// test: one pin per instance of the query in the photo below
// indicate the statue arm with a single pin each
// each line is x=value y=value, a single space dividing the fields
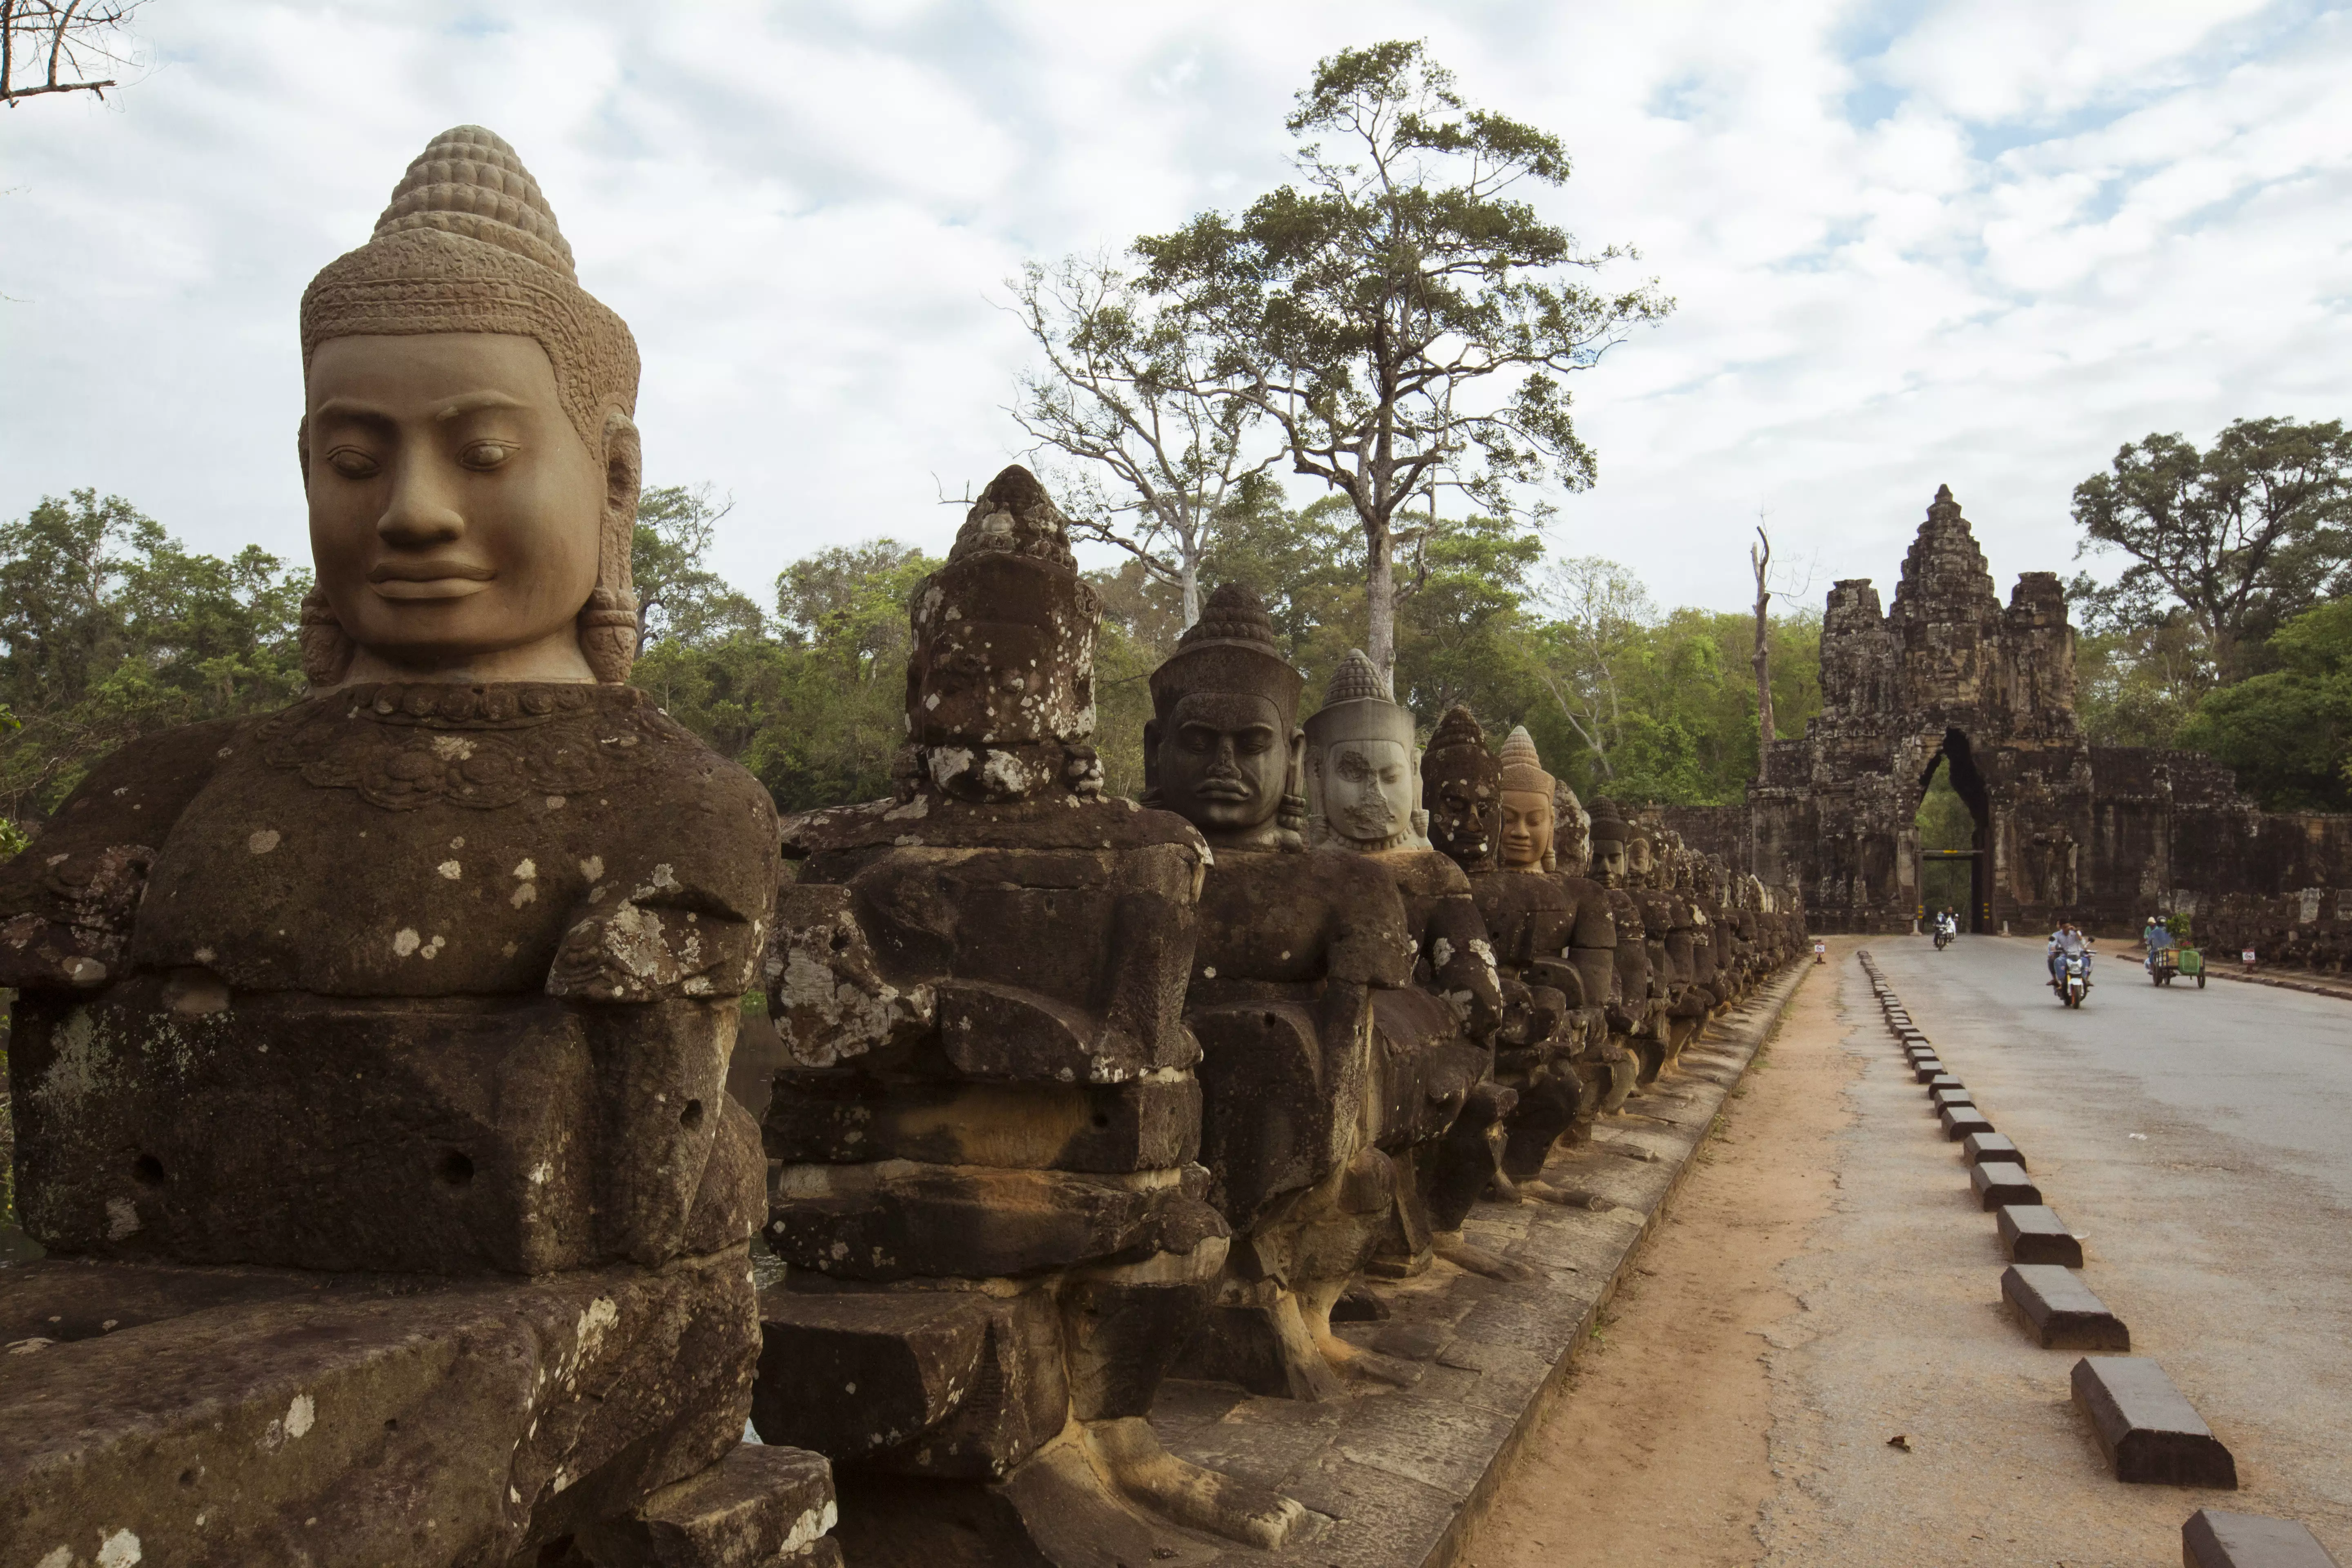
x=1462 y=961
x=68 y=904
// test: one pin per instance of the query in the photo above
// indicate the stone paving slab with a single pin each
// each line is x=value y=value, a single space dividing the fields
x=1404 y=1472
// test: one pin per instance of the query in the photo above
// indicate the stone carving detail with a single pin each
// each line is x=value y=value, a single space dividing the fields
x=1949 y=677
x=988 y=1195
x=410 y=1006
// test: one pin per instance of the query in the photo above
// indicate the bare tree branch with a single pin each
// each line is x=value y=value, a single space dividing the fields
x=62 y=45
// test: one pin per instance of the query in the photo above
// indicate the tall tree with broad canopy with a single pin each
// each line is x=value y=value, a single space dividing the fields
x=1127 y=391
x=1401 y=317
x=2242 y=536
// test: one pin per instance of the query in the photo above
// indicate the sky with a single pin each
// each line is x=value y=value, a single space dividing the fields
x=1978 y=244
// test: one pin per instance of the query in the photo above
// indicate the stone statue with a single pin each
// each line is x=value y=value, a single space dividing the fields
x=1633 y=1013
x=412 y=1001
x=1438 y=1097
x=1480 y=812
x=997 y=1229
x=1297 y=949
x=1606 y=1068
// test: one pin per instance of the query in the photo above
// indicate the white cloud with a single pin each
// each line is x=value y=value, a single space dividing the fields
x=1968 y=243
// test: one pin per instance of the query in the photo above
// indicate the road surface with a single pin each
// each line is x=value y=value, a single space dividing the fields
x=1827 y=1283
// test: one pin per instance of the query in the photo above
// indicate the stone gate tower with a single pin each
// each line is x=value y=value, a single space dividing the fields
x=1950 y=677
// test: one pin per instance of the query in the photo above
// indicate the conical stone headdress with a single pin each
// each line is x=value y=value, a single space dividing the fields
x=1609 y=825
x=469 y=244
x=1356 y=704
x=1522 y=768
x=1231 y=647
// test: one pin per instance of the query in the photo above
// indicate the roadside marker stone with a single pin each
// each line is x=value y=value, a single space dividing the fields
x=1999 y=1185
x=2213 y=1539
x=1979 y=1147
x=1926 y=1069
x=2030 y=1232
x=1940 y=1097
x=1944 y=1080
x=1962 y=1123
x=2060 y=1310
x=2148 y=1430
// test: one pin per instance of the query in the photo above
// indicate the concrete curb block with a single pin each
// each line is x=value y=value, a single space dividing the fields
x=2030 y=1232
x=2059 y=1309
x=1409 y=1472
x=2147 y=1429
x=2213 y=1539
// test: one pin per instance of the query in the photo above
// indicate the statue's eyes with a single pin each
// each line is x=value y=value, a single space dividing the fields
x=483 y=456
x=353 y=463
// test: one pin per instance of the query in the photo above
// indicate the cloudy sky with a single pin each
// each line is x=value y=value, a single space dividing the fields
x=1979 y=244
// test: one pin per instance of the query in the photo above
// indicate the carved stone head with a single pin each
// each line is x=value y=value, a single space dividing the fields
x=1463 y=783
x=1223 y=748
x=1361 y=768
x=1612 y=858
x=1000 y=686
x=1572 y=833
x=466 y=443
x=1527 y=805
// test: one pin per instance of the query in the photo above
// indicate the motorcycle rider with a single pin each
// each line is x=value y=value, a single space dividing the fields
x=2066 y=942
x=1948 y=924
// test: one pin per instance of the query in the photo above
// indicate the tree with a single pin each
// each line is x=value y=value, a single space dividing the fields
x=2241 y=536
x=677 y=596
x=1129 y=391
x=1400 y=320
x=109 y=629
x=1759 y=560
x=2287 y=732
x=47 y=47
x=1583 y=656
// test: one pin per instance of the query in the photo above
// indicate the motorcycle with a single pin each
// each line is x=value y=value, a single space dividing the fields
x=1943 y=939
x=2073 y=979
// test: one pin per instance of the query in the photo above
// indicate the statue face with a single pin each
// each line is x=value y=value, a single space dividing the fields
x=1367 y=789
x=1464 y=817
x=1609 y=862
x=993 y=682
x=1526 y=829
x=1640 y=861
x=454 y=513
x=1220 y=761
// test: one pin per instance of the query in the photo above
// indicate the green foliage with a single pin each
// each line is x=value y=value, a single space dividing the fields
x=111 y=629
x=814 y=705
x=1945 y=822
x=2237 y=538
x=677 y=596
x=2287 y=734
x=1400 y=317
x=2137 y=684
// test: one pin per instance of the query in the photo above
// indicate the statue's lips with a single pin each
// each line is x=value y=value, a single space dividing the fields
x=413 y=579
x=1220 y=789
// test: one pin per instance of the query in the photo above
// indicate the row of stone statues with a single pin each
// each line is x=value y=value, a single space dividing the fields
x=368 y=1059
x=1083 y=1092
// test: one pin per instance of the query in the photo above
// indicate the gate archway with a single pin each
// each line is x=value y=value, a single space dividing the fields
x=1955 y=859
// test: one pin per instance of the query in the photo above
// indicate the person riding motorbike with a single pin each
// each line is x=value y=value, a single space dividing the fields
x=2156 y=937
x=2066 y=942
x=1947 y=925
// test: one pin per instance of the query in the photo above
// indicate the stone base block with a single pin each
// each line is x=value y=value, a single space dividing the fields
x=2059 y=1310
x=1979 y=1147
x=1942 y=1100
x=1999 y=1185
x=1926 y=1070
x=2030 y=1232
x=267 y=1416
x=2147 y=1429
x=757 y=1507
x=2213 y=1539
x=1962 y=1123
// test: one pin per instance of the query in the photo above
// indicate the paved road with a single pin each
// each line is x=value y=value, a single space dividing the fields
x=2202 y=1141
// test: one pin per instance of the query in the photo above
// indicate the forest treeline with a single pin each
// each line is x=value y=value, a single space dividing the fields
x=2229 y=631
x=110 y=628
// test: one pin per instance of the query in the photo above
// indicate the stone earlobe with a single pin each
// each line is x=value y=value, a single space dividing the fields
x=326 y=647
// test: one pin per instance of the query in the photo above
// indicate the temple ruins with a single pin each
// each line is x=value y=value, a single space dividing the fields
x=1949 y=677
